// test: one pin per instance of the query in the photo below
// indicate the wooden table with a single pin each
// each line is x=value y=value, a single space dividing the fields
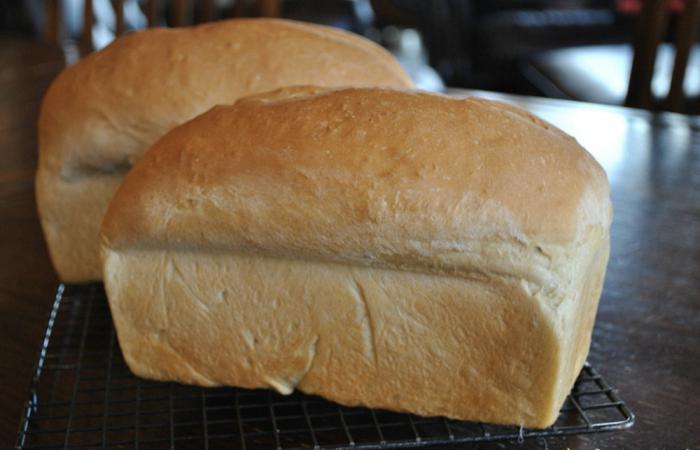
x=27 y=279
x=647 y=337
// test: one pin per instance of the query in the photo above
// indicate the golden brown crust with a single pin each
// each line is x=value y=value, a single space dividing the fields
x=325 y=173
x=165 y=75
x=377 y=247
x=102 y=113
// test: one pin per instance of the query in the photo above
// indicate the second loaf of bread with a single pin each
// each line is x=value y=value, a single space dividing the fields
x=397 y=250
x=101 y=114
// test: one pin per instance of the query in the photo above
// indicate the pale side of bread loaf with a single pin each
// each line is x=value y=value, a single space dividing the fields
x=100 y=115
x=399 y=250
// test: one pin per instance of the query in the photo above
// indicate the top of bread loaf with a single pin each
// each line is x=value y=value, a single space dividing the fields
x=369 y=176
x=100 y=114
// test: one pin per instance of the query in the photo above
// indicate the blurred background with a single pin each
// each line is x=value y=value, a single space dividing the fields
x=638 y=53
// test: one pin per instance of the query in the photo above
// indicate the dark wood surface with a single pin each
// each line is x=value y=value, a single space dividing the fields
x=646 y=341
x=27 y=279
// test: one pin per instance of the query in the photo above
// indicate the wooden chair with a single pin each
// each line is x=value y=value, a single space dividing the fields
x=653 y=22
x=575 y=72
x=179 y=15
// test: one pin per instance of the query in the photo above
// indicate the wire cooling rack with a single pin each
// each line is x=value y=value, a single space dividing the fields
x=83 y=396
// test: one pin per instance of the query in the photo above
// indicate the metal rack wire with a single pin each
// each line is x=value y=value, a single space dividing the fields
x=83 y=396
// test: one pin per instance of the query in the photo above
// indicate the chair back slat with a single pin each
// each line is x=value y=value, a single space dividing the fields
x=238 y=9
x=685 y=36
x=53 y=21
x=178 y=13
x=88 y=17
x=206 y=12
x=118 y=6
x=653 y=20
x=151 y=12
x=269 y=8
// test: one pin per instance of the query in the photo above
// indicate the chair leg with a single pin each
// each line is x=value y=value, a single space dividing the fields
x=269 y=8
x=206 y=11
x=178 y=16
x=88 y=20
x=118 y=6
x=685 y=36
x=151 y=12
x=653 y=20
x=53 y=21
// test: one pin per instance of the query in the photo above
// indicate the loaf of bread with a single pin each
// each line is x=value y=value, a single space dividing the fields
x=100 y=115
x=377 y=247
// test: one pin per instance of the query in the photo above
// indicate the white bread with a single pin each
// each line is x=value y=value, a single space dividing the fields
x=398 y=250
x=100 y=115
